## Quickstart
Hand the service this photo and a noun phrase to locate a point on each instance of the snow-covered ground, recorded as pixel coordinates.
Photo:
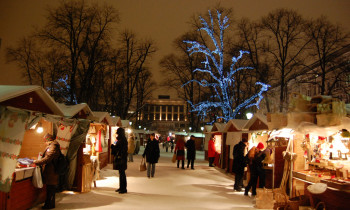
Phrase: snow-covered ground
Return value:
(171, 188)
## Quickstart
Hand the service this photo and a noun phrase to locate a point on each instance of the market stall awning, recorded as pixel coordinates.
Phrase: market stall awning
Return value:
(33, 98)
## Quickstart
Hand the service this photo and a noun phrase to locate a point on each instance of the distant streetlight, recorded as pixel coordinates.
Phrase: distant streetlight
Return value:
(202, 128)
(249, 115)
(130, 123)
(139, 126)
(190, 128)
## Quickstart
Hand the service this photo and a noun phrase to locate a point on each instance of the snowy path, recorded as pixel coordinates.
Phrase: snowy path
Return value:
(171, 188)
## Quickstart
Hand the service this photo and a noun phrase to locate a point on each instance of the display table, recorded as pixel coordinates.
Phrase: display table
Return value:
(23, 195)
(333, 198)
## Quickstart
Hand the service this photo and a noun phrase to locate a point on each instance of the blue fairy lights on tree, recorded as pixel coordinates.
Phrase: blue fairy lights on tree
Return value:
(221, 80)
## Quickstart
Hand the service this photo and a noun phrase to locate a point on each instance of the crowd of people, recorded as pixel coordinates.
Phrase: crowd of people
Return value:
(123, 150)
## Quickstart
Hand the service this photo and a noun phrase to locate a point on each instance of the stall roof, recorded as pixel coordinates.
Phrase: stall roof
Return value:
(11, 92)
(218, 127)
(125, 123)
(71, 111)
(310, 128)
(117, 121)
(237, 123)
(207, 128)
(256, 123)
(138, 131)
(197, 135)
(99, 116)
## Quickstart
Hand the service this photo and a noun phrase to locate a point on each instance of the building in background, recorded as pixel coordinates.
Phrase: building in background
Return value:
(164, 115)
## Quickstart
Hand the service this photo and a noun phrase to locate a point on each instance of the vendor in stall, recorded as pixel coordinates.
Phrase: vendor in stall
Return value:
(50, 177)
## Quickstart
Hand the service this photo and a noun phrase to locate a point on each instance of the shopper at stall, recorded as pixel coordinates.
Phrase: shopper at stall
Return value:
(239, 163)
(50, 177)
(131, 147)
(191, 151)
(180, 152)
(256, 170)
(152, 154)
(120, 152)
(211, 151)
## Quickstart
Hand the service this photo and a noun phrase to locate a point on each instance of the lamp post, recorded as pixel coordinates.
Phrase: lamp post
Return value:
(202, 129)
(249, 115)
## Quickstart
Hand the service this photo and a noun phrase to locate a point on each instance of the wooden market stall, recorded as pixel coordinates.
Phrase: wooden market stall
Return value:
(232, 135)
(83, 170)
(37, 104)
(207, 136)
(101, 129)
(323, 157)
(217, 132)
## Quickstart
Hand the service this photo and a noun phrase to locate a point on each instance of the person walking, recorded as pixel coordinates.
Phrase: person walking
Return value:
(256, 169)
(171, 145)
(167, 142)
(152, 154)
(120, 152)
(211, 151)
(239, 163)
(50, 177)
(131, 147)
(191, 151)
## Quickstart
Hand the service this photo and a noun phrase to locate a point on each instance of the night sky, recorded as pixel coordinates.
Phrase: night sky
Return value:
(160, 20)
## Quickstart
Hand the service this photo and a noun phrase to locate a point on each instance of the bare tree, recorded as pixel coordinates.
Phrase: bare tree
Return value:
(285, 44)
(326, 38)
(78, 29)
(24, 55)
(250, 38)
(180, 68)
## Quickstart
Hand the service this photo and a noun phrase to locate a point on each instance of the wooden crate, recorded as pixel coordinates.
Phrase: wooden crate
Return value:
(86, 178)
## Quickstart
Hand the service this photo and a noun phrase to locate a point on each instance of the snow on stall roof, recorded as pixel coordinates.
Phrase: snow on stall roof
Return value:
(218, 127)
(256, 116)
(72, 110)
(102, 115)
(237, 123)
(310, 128)
(125, 123)
(12, 91)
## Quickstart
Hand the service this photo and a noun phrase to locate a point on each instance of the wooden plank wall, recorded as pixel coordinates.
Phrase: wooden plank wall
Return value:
(33, 142)
(23, 195)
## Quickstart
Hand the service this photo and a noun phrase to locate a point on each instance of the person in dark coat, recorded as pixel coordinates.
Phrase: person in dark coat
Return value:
(152, 154)
(171, 145)
(239, 162)
(191, 151)
(180, 152)
(120, 152)
(50, 177)
(256, 170)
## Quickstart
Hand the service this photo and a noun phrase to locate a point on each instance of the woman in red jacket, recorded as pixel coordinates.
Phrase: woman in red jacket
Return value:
(180, 152)
(211, 151)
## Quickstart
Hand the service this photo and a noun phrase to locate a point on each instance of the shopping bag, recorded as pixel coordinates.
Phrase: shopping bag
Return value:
(143, 165)
(37, 180)
(174, 158)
